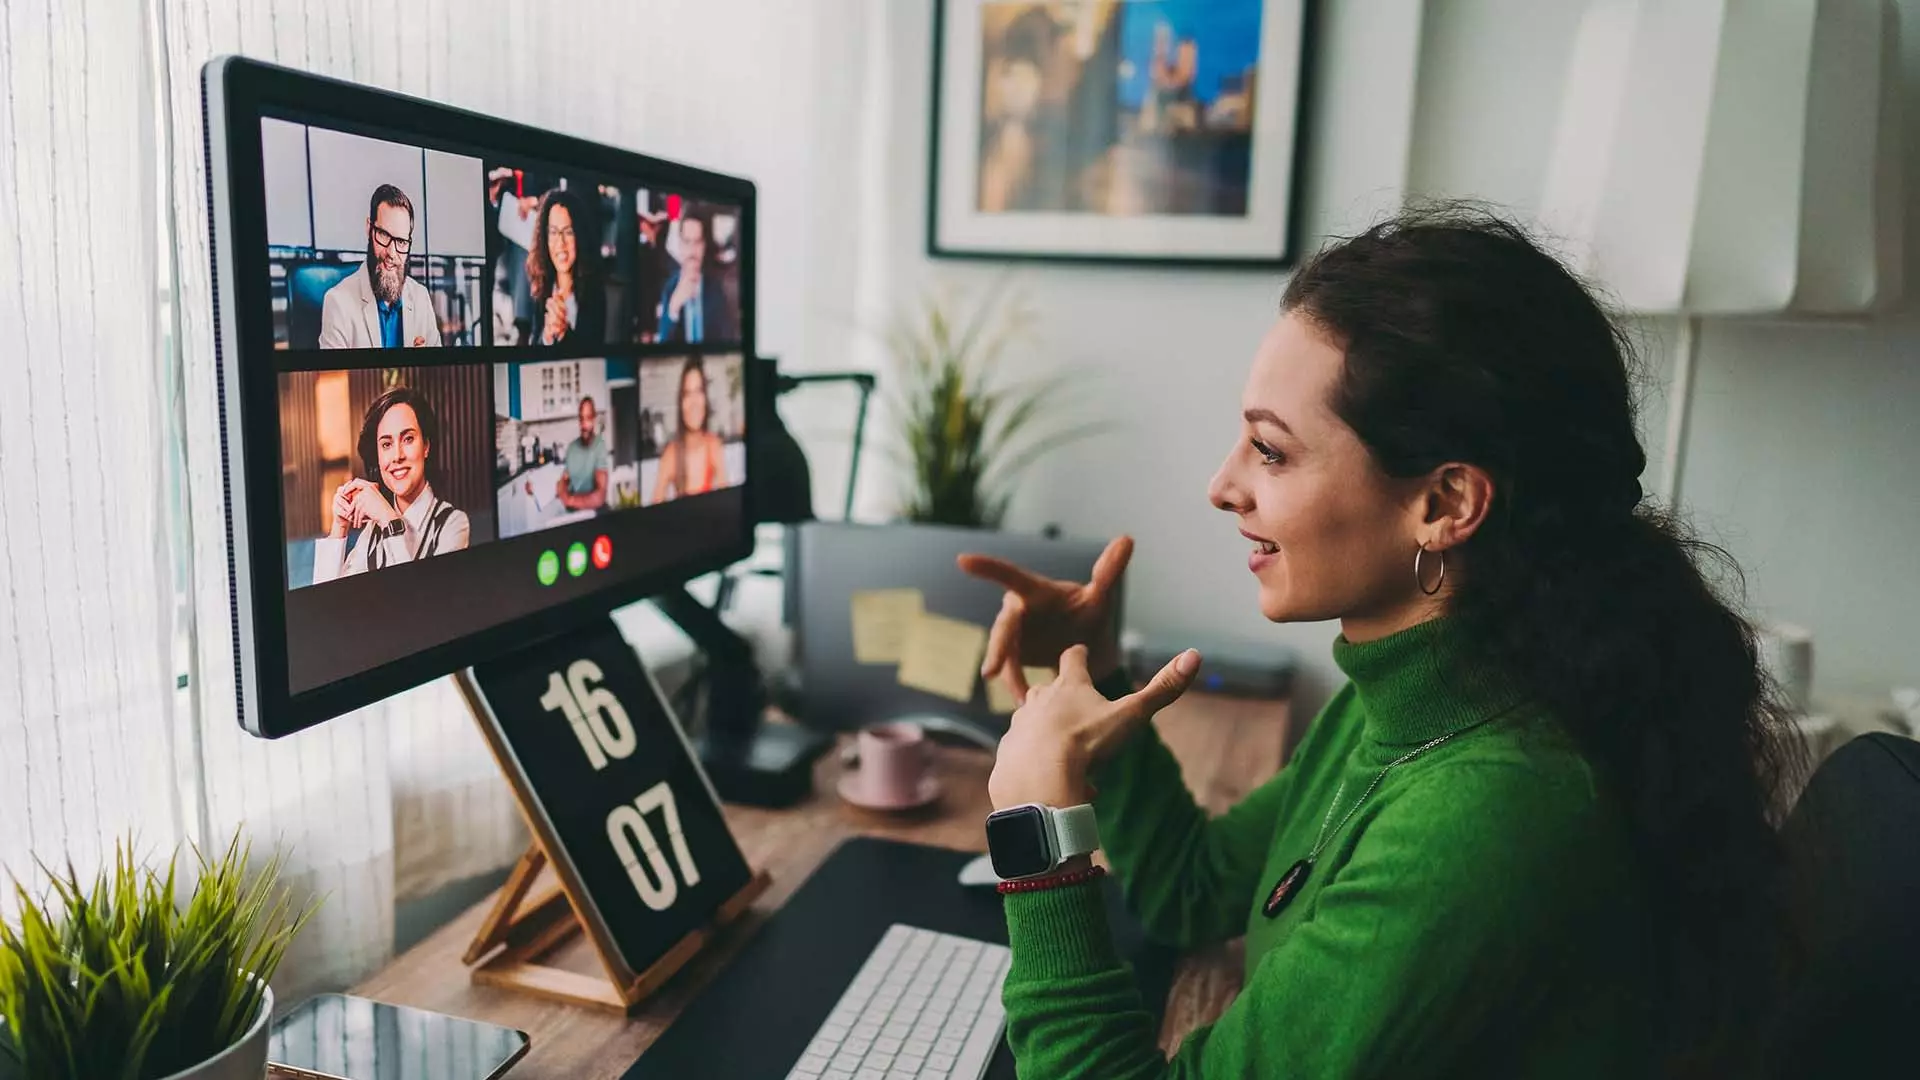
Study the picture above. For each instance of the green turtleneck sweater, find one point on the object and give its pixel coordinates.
(1475, 916)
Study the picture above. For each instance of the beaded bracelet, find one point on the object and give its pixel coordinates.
(1052, 881)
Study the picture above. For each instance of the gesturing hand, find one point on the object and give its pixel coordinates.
(1062, 728)
(1039, 617)
(688, 287)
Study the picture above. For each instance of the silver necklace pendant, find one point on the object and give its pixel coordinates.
(1290, 882)
(1288, 885)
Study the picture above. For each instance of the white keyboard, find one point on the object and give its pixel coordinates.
(925, 1005)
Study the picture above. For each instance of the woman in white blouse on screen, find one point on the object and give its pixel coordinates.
(397, 516)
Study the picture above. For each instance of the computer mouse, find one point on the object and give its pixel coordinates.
(979, 871)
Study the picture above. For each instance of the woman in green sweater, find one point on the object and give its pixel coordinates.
(1532, 834)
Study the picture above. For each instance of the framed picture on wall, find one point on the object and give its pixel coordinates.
(1161, 131)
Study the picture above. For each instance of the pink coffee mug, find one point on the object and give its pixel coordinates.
(895, 759)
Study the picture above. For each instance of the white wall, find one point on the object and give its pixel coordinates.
(1162, 352)
(1804, 456)
(1800, 463)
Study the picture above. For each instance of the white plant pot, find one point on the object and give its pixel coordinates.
(244, 1060)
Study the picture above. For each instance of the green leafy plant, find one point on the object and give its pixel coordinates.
(966, 432)
(117, 980)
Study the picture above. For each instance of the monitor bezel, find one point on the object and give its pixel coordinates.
(238, 92)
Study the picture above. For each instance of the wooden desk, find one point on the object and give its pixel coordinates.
(1225, 747)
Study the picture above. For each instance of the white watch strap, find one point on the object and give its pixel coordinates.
(1075, 830)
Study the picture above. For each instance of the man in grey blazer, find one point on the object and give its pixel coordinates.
(378, 306)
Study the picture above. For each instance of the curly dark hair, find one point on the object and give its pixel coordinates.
(369, 442)
(541, 275)
(1466, 342)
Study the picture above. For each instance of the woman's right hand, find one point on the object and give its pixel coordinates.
(1040, 618)
(343, 508)
(555, 327)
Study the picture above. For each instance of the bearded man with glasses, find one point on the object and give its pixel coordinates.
(378, 306)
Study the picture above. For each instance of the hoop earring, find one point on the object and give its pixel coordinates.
(1419, 581)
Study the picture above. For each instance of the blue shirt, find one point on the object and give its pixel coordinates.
(389, 324)
(696, 323)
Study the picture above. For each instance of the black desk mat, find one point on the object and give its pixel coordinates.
(757, 1016)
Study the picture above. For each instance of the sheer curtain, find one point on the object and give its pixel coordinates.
(117, 680)
(86, 577)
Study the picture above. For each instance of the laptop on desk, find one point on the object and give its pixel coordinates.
(828, 562)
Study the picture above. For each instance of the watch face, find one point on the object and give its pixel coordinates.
(1017, 842)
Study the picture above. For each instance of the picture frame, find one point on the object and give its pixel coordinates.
(1119, 131)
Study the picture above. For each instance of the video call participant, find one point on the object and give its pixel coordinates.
(584, 485)
(695, 460)
(378, 306)
(563, 272)
(693, 304)
(398, 516)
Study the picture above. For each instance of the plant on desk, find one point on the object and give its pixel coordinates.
(116, 980)
(964, 433)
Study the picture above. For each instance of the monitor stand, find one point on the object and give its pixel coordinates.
(748, 760)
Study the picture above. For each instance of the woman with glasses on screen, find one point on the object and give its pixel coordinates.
(394, 517)
(695, 460)
(563, 272)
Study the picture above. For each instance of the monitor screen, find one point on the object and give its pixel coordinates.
(479, 382)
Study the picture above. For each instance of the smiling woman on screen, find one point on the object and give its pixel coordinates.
(695, 460)
(563, 271)
(1532, 833)
(397, 516)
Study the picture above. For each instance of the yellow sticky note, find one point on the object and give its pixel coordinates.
(942, 656)
(1000, 699)
(881, 618)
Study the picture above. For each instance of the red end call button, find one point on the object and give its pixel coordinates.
(602, 552)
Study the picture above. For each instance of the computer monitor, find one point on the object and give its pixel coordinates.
(479, 382)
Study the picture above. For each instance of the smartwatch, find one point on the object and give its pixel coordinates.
(1030, 839)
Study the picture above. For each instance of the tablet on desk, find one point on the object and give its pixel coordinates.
(337, 1037)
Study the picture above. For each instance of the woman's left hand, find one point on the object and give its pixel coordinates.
(1065, 726)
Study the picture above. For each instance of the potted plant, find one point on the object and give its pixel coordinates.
(119, 980)
(965, 431)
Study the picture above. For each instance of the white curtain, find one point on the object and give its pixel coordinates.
(86, 582)
(117, 680)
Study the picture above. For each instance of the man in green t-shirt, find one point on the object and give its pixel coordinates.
(584, 485)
